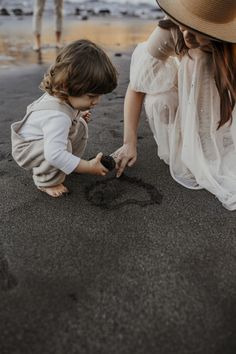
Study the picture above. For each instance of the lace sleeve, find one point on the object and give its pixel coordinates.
(160, 44)
(152, 75)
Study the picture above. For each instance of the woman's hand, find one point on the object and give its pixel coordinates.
(125, 155)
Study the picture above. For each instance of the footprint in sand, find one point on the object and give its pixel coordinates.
(5, 156)
(7, 279)
(115, 192)
(115, 133)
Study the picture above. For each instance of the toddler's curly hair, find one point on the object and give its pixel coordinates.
(81, 67)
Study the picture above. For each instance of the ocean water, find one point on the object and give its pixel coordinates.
(29, 2)
(122, 25)
(135, 2)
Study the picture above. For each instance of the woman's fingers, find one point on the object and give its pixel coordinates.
(132, 161)
(121, 166)
(124, 156)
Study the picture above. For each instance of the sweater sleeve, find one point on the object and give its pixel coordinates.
(56, 132)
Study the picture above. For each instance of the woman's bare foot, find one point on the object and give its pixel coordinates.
(55, 191)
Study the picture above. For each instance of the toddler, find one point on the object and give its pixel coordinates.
(51, 138)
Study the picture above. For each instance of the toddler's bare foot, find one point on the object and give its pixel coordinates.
(55, 191)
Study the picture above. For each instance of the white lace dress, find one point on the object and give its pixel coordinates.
(182, 104)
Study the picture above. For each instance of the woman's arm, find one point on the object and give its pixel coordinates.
(159, 46)
(127, 154)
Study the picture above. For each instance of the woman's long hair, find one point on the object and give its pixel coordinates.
(224, 69)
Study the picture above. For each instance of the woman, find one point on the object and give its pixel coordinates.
(185, 75)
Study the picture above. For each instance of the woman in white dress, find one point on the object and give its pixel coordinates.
(186, 76)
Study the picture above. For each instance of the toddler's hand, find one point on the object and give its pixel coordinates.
(86, 115)
(97, 167)
(93, 166)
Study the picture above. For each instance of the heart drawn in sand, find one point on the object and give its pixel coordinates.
(7, 280)
(114, 193)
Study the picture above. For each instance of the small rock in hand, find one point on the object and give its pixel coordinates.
(108, 162)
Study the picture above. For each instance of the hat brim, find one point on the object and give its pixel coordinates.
(180, 14)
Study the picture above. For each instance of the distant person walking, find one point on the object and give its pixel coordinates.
(37, 22)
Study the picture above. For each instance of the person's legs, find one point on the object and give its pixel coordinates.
(58, 4)
(37, 22)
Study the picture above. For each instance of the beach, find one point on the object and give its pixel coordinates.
(113, 34)
(139, 265)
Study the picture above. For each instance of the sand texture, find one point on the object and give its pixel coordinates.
(80, 278)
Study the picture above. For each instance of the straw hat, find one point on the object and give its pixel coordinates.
(215, 18)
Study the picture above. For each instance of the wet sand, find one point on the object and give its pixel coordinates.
(112, 34)
(78, 278)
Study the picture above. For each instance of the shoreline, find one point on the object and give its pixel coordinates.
(116, 35)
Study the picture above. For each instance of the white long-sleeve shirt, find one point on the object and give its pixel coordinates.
(53, 127)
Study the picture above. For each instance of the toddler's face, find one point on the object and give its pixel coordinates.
(193, 39)
(84, 102)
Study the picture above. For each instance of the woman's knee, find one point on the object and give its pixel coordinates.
(163, 105)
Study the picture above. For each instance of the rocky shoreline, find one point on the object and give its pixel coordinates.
(86, 9)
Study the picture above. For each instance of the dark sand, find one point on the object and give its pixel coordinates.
(76, 278)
